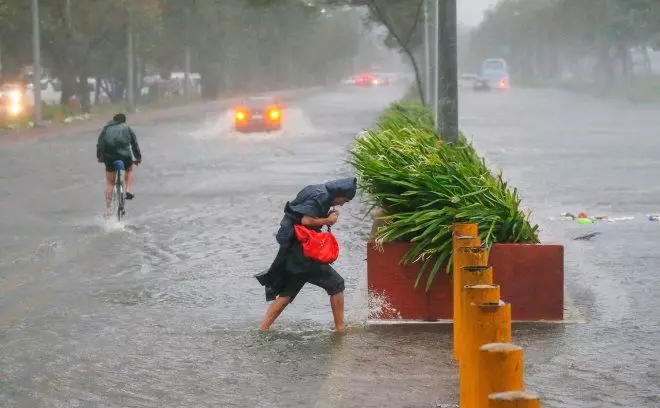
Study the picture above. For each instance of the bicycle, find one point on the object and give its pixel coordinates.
(119, 190)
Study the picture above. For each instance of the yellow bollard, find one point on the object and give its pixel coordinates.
(469, 275)
(459, 260)
(500, 370)
(473, 295)
(485, 323)
(514, 399)
(464, 229)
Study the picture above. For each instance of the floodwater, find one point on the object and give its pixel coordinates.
(162, 310)
(573, 153)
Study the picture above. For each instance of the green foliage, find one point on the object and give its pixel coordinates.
(425, 185)
(234, 44)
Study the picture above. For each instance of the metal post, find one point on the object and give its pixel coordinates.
(427, 54)
(436, 59)
(36, 56)
(186, 74)
(186, 51)
(447, 124)
(129, 51)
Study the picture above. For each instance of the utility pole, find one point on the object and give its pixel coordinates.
(447, 85)
(36, 57)
(435, 58)
(131, 72)
(186, 74)
(427, 55)
(186, 52)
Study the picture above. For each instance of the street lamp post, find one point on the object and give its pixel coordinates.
(36, 56)
(427, 55)
(447, 84)
(130, 86)
(435, 31)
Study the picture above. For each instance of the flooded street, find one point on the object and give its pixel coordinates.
(162, 311)
(573, 153)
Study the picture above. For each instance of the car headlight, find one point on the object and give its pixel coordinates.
(15, 109)
(15, 96)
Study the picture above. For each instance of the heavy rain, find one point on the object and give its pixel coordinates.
(237, 105)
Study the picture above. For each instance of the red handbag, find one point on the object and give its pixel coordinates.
(319, 246)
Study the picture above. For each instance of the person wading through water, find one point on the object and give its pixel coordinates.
(290, 271)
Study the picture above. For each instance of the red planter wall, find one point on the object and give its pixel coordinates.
(531, 278)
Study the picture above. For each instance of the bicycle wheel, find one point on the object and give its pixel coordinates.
(119, 193)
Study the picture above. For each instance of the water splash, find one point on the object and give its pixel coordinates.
(380, 307)
(109, 225)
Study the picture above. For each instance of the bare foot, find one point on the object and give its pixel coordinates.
(340, 329)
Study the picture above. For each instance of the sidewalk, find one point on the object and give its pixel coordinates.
(150, 114)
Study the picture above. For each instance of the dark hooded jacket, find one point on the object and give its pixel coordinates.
(313, 201)
(116, 142)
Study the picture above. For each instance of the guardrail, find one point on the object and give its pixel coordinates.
(490, 367)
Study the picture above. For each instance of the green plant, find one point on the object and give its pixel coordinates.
(406, 114)
(425, 185)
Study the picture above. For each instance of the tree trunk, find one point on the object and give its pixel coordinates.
(97, 91)
(83, 93)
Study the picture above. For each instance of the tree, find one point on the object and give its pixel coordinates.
(547, 37)
(237, 45)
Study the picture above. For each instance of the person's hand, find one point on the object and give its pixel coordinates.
(333, 217)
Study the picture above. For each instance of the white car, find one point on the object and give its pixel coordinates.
(467, 81)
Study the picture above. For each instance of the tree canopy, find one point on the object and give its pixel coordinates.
(234, 44)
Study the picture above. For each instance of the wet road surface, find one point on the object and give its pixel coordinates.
(162, 311)
(573, 153)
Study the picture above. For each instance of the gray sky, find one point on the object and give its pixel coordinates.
(471, 11)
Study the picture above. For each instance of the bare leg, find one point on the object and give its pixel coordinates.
(109, 186)
(337, 305)
(274, 311)
(129, 180)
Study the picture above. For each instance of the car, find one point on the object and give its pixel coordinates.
(258, 114)
(495, 72)
(481, 85)
(367, 80)
(12, 100)
(382, 79)
(467, 80)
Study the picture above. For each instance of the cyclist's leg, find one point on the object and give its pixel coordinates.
(109, 186)
(128, 164)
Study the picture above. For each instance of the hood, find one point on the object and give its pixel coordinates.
(112, 123)
(346, 187)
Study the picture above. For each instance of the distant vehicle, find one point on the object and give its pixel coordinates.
(494, 75)
(383, 79)
(12, 100)
(367, 80)
(467, 80)
(258, 114)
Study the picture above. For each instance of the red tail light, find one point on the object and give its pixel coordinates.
(274, 114)
(240, 115)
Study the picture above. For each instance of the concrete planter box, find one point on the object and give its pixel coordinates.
(531, 278)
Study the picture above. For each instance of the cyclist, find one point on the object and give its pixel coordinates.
(117, 141)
